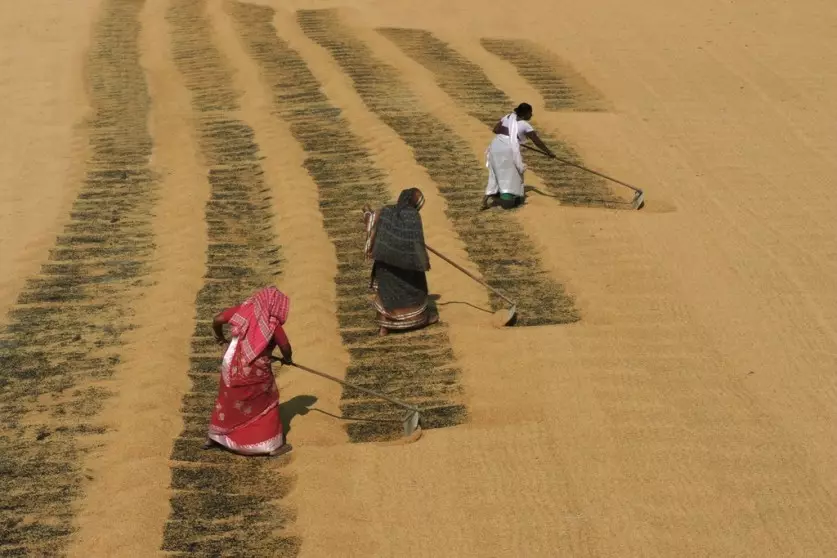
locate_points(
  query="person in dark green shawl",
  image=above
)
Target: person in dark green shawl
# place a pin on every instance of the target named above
(395, 244)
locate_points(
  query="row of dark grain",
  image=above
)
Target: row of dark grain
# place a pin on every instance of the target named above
(417, 366)
(561, 87)
(505, 256)
(64, 336)
(223, 505)
(466, 83)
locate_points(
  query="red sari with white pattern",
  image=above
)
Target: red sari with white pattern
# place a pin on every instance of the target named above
(246, 415)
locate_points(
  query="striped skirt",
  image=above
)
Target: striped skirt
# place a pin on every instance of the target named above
(400, 298)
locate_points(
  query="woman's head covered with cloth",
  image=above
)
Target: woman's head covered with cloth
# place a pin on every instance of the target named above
(256, 320)
(396, 235)
(410, 197)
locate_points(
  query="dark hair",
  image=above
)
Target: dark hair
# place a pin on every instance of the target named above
(523, 108)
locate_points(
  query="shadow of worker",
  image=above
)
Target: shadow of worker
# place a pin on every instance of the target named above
(298, 405)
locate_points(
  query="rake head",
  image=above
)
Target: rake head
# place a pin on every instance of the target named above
(411, 421)
(504, 317)
(639, 200)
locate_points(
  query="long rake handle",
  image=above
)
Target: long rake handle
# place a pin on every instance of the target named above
(347, 384)
(469, 274)
(634, 188)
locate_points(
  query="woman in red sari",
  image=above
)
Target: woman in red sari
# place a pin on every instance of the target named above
(246, 415)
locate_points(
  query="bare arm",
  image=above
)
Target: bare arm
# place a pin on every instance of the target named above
(218, 328)
(500, 129)
(281, 340)
(221, 318)
(541, 145)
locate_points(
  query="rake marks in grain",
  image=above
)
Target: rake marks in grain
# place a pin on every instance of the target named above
(561, 87)
(65, 331)
(490, 237)
(467, 84)
(347, 179)
(221, 502)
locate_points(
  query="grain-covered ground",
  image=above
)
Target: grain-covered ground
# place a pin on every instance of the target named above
(667, 391)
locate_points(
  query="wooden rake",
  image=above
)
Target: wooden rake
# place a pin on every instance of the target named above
(411, 420)
(502, 317)
(639, 197)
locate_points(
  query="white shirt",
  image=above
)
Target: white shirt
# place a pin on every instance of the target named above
(523, 127)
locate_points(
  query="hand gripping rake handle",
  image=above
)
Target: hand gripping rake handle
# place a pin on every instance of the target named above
(468, 273)
(634, 188)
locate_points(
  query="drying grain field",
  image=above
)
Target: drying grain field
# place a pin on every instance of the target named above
(669, 388)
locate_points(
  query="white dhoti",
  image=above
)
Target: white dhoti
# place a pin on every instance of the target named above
(504, 177)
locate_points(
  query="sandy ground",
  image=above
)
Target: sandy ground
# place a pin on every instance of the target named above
(690, 412)
(42, 87)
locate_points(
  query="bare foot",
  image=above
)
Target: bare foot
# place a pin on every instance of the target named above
(281, 450)
(383, 332)
(209, 444)
(434, 319)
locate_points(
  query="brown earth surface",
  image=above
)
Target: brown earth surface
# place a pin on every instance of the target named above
(672, 393)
